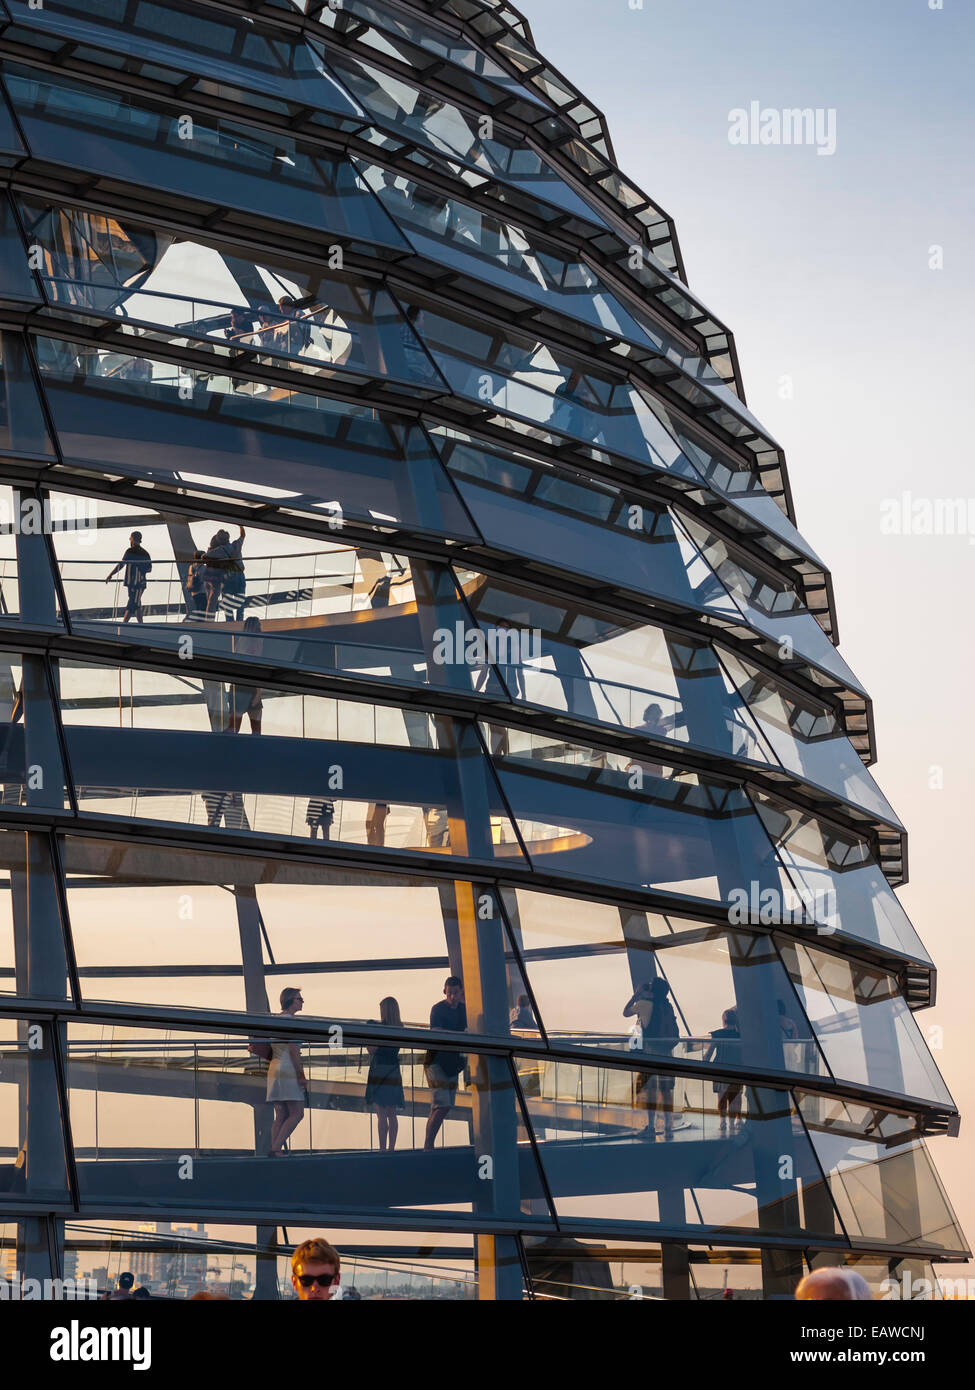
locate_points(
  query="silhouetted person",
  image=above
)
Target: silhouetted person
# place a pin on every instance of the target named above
(223, 575)
(286, 1083)
(659, 1035)
(522, 1015)
(376, 823)
(247, 699)
(384, 1084)
(196, 594)
(319, 817)
(135, 565)
(725, 1051)
(443, 1069)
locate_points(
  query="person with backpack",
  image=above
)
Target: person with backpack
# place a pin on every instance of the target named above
(658, 1036)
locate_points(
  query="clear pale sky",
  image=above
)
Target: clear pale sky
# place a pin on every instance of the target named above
(820, 266)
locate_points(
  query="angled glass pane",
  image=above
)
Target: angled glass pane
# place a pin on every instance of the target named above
(153, 745)
(32, 1157)
(22, 427)
(450, 131)
(267, 597)
(236, 932)
(841, 884)
(807, 737)
(32, 963)
(413, 40)
(322, 324)
(71, 122)
(16, 282)
(138, 417)
(880, 1175)
(224, 55)
(767, 603)
(614, 978)
(647, 826)
(558, 655)
(533, 509)
(143, 1097)
(500, 253)
(595, 1128)
(9, 587)
(563, 1267)
(862, 1023)
(11, 145)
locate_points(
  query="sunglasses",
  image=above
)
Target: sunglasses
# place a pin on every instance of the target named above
(325, 1280)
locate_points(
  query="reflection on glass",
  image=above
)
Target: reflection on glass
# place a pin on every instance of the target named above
(141, 1098)
(594, 1128)
(267, 597)
(863, 1024)
(840, 881)
(880, 1175)
(154, 746)
(634, 821)
(205, 433)
(72, 122)
(260, 313)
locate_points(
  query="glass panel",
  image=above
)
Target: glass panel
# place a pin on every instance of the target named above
(22, 427)
(233, 932)
(151, 745)
(641, 677)
(135, 416)
(562, 1267)
(548, 389)
(147, 1102)
(880, 1175)
(807, 737)
(497, 252)
(768, 603)
(448, 130)
(532, 509)
(276, 599)
(645, 825)
(591, 1127)
(863, 1024)
(10, 513)
(618, 978)
(16, 281)
(319, 324)
(223, 54)
(71, 122)
(32, 1160)
(842, 887)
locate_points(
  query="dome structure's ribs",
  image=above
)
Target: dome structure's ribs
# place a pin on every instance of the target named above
(457, 626)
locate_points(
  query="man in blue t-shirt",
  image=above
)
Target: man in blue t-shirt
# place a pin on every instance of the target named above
(444, 1068)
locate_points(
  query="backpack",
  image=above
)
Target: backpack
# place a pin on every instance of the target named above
(260, 1047)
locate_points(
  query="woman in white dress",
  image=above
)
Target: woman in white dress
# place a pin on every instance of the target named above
(286, 1079)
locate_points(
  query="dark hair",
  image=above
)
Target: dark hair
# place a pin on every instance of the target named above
(141, 1292)
(288, 996)
(389, 1010)
(252, 624)
(126, 1280)
(137, 537)
(659, 986)
(453, 980)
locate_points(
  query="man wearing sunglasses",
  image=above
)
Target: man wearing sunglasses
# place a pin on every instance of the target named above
(315, 1270)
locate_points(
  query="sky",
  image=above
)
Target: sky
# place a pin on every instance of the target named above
(853, 336)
